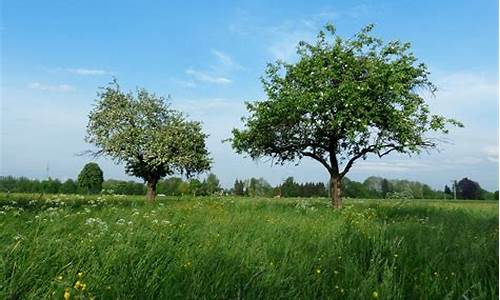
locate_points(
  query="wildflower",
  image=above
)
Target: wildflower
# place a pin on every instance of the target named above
(80, 274)
(375, 295)
(335, 272)
(395, 255)
(59, 277)
(67, 294)
(78, 284)
(318, 271)
(452, 273)
(436, 274)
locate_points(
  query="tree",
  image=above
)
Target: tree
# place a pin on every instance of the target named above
(468, 189)
(239, 188)
(386, 187)
(90, 179)
(342, 100)
(194, 186)
(212, 184)
(447, 190)
(69, 187)
(142, 131)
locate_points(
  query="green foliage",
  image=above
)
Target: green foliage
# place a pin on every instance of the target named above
(239, 188)
(142, 131)
(468, 189)
(233, 248)
(342, 100)
(90, 179)
(212, 184)
(68, 187)
(120, 187)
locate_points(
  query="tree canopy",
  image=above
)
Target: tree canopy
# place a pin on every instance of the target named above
(342, 100)
(142, 131)
(91, 178)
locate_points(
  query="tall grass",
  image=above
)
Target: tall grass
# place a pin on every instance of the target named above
(236, 248)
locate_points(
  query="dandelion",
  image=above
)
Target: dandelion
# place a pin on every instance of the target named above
(67, 294)
(375, 295)
(78, 284)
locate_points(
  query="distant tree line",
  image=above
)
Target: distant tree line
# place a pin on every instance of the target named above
(90, 181)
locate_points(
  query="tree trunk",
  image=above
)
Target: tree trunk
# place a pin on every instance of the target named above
(336, 197)
(151, 193)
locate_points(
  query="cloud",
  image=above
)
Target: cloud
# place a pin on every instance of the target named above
(282, 38)
(184, 83)
(88, 72)
(225, 61)
(206, 77)
(491, 153)
(215, 106)
(390, 166)
(50, 88)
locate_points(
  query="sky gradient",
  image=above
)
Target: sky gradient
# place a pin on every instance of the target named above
(208, 56)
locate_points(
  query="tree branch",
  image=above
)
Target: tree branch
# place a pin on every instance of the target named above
(318, 158)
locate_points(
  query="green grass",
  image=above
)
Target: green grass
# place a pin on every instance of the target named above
(237, 248)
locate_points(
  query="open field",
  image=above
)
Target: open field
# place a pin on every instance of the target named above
(118, 247)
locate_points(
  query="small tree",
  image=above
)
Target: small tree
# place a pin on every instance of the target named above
(239, 188)
(212, 184)
(142, 131)
(342, 100)
(386, 187)
(69, 187)
(90, 179)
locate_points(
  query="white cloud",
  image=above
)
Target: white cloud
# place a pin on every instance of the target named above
(491, 153)
(389, 166)
(215, 106)
(88, 72)
(50, 88)
(467, 87)
(206, 77)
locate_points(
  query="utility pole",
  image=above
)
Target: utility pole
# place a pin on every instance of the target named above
(454, 185)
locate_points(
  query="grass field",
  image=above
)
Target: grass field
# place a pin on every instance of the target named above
(118, 247)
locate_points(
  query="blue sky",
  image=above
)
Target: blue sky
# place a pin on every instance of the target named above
(208, 56)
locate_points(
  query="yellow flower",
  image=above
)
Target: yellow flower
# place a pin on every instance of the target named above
(84, 286)
(66, 294)
(375, 295)
(59, 277)
(318, 271)
(78, 284)
(80, 274)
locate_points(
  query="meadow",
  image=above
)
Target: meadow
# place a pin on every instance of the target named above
(120, 247)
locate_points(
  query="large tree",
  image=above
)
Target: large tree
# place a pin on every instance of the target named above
(342, 100)
(141, 130)
(468, 189)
